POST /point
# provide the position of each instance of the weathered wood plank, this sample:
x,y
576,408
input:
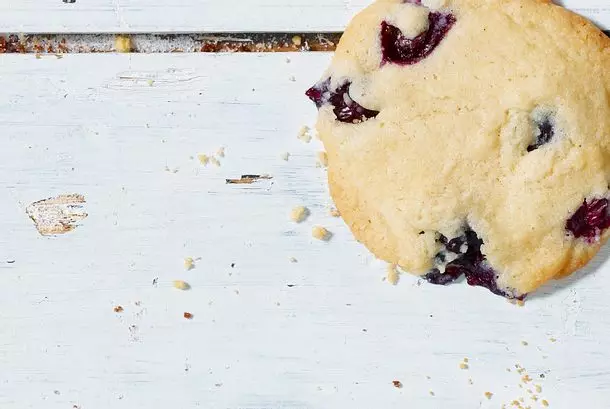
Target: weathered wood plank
x,y
266,333
136,16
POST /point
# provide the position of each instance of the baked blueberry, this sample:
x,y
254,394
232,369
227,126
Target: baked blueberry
x,y
344,107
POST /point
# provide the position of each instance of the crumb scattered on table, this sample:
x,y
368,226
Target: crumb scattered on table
x,y
296,40
545,402
397,384
432,393
293,260
304,134
214,161
189,263
392,274
321,233
524,343
118,309
203,159
489,395
463,365
122,43
299,214
221,152
182,285
188,315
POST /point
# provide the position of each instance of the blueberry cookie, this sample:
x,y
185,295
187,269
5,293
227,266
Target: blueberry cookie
x,y
471,138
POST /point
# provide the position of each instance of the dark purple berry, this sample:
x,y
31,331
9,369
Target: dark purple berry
x,y
589,220
345,108
438,278
319,93
470,263
546,132
398,49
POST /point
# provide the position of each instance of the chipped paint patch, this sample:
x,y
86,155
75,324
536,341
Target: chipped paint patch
x,y
57,215
247,179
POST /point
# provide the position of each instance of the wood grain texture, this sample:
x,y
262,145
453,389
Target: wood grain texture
x,y
136,16
325,332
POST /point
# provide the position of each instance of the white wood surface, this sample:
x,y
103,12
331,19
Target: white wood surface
x,y
101,16
94,125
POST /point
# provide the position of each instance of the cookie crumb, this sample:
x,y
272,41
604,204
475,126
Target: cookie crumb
x,y
334,212
489,395
526,378
524,343
189,263
323,159
553,340
538,388
293,260
431,393
214,161
321,233
286,156
122,43
296,40
182,285
463,365
304,134
220,152
397,384
545,402
299,214
118,309
203,159
392,274
188,315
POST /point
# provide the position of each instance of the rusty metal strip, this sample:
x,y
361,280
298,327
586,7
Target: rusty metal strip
x,y
167,43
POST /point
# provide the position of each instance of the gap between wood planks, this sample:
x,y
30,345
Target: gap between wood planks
x,y
168,43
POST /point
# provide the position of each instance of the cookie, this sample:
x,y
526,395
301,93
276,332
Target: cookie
x,y
471,138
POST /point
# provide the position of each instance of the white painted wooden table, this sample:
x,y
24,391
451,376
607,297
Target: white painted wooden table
x,y
325,332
